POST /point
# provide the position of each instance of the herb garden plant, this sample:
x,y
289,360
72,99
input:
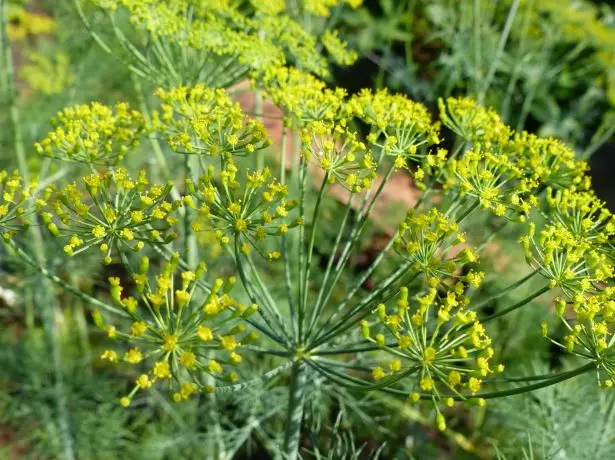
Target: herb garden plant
x,y
138,186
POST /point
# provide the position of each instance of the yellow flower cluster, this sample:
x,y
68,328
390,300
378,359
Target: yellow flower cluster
x,y
220,42
495,181
435,337
336,149
206,121
16,203
399,125
115,212
323,7
23,23
548,162
338,49
94,133
49,76
304,97
472,122
246,211
179,330
431,242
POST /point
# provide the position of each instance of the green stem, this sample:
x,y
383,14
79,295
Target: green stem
x,y
296,402
505,291
258,115
63,284
285,250
514,307
512,12
47,312
357,230
308,262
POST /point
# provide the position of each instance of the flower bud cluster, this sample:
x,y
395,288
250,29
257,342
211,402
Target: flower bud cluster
x,y
16,203
304,97
337,150
93,133
206,121
472,122
494,180
247,208
435,337
113,211
178,331
399,125
429,240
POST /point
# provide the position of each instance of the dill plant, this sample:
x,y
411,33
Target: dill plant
x,y
419,334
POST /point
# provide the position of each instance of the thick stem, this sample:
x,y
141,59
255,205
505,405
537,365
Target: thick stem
x,y
296,401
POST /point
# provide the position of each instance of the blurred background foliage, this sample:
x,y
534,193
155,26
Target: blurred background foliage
x,y
554,75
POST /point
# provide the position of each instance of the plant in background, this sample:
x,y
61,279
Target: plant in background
x,y
544,64
270,316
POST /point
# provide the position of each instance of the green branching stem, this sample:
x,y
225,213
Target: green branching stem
x,y
355,234
63,284
355,383
263,310
504,291
285,251
318,305
362,308
514,307
262,379
296,402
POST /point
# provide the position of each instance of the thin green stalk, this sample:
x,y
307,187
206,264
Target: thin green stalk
x,y
514,307
355,234
285,250
512,12
308,262
505,291
342,326
47,312
63,284
247,284
258,115
301,246
296,402
318,305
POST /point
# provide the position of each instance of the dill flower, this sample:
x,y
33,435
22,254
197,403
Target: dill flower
x,y
115,211
94,134
472,122
304,97
336,150
495,181
47,75
323,7
435,338
583,215
16,203
201,120
22,23
571,264
589,329
426,238
250,210
338,49
548,162
400,126
180,329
